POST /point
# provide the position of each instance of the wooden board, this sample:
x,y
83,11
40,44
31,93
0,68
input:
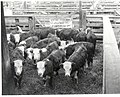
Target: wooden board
x,y
111,60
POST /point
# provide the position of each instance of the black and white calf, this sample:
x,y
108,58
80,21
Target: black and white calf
x,y
50,65
45,70
17,68
75,63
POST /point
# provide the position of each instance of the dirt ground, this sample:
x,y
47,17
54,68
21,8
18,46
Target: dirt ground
x,y
90,81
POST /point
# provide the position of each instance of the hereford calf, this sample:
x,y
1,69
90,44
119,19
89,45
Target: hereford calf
x,y
75,63
17,68
49,65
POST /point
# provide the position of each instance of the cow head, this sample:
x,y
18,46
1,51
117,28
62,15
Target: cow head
x,y
36,54
41,68
18,66
67,66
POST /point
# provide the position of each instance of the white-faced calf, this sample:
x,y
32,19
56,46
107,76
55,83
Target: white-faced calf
x,y
18,71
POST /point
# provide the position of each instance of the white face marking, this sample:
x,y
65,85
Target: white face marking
x,y
36,53
44,50
63,43
18,66
17,37
67,67
30,55
22,48
41,68
8,37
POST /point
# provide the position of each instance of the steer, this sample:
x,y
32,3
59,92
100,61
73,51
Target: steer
x,y
17,68
75,63
91,37
90,51
17,62
49,65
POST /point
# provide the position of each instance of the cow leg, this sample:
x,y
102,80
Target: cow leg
x,y
19,82
51,82
76,77
90,61
34,61
15,80
44,82
86,64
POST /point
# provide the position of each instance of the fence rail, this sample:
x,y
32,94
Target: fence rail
x,y
111,60
93,21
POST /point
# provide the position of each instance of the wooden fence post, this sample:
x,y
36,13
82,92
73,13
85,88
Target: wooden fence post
x,y
7,77
80,14
82,17
31,23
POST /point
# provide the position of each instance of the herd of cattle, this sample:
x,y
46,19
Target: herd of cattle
x,y
50,50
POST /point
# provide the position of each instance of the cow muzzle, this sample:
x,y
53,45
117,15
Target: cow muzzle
x,y
18,73
67,75
40,74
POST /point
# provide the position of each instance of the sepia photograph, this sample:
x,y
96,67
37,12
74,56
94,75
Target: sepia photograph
x,y
60,47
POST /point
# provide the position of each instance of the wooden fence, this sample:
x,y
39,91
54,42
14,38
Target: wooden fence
x,y
111,59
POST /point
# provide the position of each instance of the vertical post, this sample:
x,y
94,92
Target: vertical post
x,y
31,23
84,19
7,77
80,14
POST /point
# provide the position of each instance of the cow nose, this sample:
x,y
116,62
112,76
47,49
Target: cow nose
x,y
17,73
67,75
40,74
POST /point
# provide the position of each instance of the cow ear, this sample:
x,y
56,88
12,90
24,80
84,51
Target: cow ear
x,y
73,63
12,63
23,62
61,65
